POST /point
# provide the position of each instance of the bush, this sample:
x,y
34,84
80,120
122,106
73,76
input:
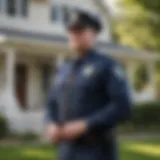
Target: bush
x,y
144,117
29,136
3,127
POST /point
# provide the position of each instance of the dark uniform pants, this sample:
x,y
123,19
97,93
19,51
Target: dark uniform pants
x,y
101,151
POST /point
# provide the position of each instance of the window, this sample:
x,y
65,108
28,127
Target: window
x,y
16,7
55,14
24,7
0,5
11,7
60,13
66,14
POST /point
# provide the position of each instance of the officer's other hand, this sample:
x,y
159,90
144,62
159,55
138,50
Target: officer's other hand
x,y
54,133
75,129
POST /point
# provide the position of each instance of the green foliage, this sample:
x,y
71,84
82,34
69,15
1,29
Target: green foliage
x,y
28,136
147,149
146,114
144,117
140,149
140,77
3,127
140,24
28,152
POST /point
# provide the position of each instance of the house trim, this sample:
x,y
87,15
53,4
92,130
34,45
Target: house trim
x,y
46,39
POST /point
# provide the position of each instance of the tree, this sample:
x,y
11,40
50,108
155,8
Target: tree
x,y
139,24
104,10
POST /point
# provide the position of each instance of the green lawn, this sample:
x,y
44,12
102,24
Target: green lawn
x,y
129,150
140,150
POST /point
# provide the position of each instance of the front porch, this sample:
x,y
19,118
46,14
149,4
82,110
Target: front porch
x,y
27,69
24,82
27,76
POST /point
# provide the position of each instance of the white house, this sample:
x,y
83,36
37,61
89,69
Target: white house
x,y
33,41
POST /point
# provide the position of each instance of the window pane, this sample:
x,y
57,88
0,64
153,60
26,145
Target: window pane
x,y
0,5
11,7
24,7
66,13
55,13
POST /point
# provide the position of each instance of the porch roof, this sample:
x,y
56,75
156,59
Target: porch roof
x,y
48,39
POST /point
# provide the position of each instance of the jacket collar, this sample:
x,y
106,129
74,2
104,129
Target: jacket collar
x,y
86,55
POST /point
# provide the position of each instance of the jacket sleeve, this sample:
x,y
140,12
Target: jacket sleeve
x,y
119,108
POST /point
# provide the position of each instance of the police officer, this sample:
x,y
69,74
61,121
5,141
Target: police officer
x,y
89,97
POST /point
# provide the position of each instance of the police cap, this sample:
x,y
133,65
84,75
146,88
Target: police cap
x,y
79,20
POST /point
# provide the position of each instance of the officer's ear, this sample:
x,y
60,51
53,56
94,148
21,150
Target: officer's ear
x,y
96,34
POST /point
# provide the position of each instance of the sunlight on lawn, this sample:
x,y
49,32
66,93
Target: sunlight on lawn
x,y
146,149
129,150
38,153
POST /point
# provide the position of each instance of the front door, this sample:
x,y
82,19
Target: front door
x,y
21,82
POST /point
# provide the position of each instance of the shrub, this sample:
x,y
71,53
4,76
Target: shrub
x,y
144,117
3,126
29,136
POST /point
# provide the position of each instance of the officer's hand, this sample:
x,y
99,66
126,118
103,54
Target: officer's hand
x,y
54,133
73,130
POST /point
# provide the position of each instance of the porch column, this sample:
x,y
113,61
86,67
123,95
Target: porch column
x,y
131,67
10,102
151,76
10,70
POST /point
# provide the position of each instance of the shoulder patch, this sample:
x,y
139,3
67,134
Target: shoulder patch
x,y
118,72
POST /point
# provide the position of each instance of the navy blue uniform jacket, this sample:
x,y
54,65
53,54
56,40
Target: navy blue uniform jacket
x,y
100,95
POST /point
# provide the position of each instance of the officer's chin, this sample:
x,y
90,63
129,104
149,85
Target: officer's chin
x,y
77,49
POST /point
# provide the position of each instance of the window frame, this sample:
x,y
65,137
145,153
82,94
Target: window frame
x,y
24,11
18,9
65,8
3,6
61,19
55,13
7,9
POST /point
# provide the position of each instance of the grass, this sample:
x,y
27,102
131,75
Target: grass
x,y
140,150
129,150
27,153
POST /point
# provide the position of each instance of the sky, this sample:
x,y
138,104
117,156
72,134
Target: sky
x,y
111,4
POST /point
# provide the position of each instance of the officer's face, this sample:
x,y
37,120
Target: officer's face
x,y
81,40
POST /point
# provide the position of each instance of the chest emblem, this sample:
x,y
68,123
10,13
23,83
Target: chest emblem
x,y
88,71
